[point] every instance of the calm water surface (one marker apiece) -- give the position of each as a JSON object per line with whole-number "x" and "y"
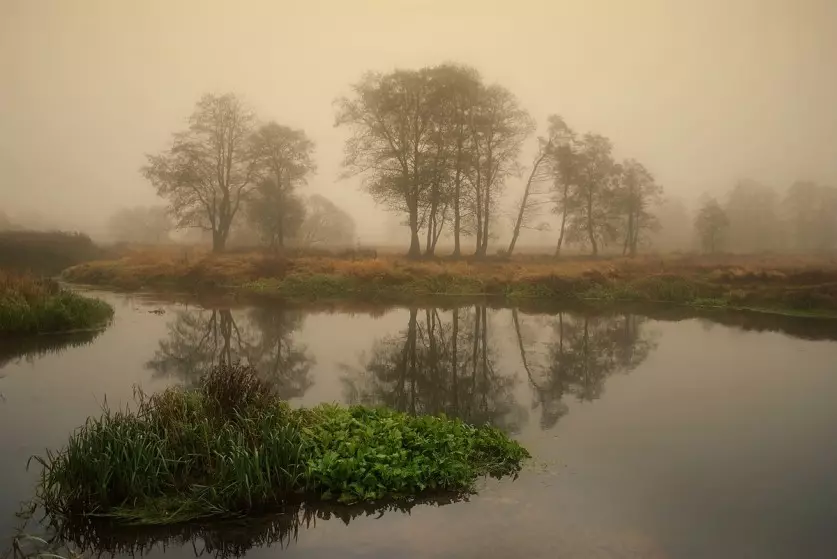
{"x": 655, "y": 435}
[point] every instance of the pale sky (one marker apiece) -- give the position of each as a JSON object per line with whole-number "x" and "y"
{"x": 702, "y": 91}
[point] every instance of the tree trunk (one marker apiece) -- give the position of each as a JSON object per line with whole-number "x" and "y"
{"x": 563, "y": 220}
{"x": 590, "y": 229}
{"x": 522, "y": 211}
{"x": 485, "y": 216}
{"x": 415, "y": 244}
{"x": 457, "y": 186}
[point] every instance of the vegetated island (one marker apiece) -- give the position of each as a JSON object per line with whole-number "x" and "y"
{"x": 232, "y": 447}
{"x": 30, "y": 305}
{"x": 779, "y": 284}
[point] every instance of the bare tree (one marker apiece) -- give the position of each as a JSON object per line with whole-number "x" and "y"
{"x": 210, "y": 168}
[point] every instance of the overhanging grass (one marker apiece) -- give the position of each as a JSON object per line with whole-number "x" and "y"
{"x": 31, "y": 305}
{"x": 231, "y": 447}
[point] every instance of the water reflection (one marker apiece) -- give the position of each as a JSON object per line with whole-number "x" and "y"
{"x": 448, "y": 362}
{"x": 581, "y": 353}
{"x": 442, "y": 362}
{"x": 221, "y": 539}
{"x": 199, "y": 339}
{"x": 30, "y": 348}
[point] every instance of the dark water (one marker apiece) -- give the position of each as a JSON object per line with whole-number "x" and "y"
{"x": 655, "y": 435}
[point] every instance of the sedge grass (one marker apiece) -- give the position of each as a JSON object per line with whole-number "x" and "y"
{"x": 231, "y": 447}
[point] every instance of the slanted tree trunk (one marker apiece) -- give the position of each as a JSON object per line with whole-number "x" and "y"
{"x": 563, "y": 220}
{"x": 521, "y": 212}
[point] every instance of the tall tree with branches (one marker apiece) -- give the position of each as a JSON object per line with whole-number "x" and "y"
{"x": 499, "y": 126}
{"x": 636, "y": 192}
{"x": 210, "y": 167}
{"x": 391, "y": 118}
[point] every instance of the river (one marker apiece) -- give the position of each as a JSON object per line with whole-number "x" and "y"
{"x": 655, "y": 433}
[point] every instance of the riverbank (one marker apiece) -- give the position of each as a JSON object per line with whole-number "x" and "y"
{"x": 790, "y": 285}
{"x": 30, "y": 305}
{"x": 232, "y": 446}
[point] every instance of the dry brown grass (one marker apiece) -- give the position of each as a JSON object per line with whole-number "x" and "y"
{"x": 198, "y": 267}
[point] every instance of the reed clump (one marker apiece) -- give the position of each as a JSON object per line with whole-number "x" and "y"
{"x": 32, "y": 305}
{"x": 233, "y": 447}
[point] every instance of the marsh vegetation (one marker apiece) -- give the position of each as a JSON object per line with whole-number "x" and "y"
{"x": 232, "y": 446}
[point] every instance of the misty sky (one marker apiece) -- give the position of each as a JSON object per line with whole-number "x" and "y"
{"x": 701, "y": 91}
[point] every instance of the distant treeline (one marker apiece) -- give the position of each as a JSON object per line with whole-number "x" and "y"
{"x": 45, "y": 252}
{"x": 755, "y": 218}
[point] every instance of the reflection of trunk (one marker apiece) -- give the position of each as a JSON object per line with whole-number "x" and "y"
{"x": 586, "y": 352}
{"x": 474, "y": 354}
{"x": 455, "y": 360}
{"x": 486, "y": 381}
{"x": 412, "y": 342}
{"x": 522, "y": 351}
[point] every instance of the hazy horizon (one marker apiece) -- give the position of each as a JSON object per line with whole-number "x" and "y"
{"x": 703, "y": 93}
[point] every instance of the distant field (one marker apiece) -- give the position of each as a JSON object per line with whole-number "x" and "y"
{"x": 804, "y": 284}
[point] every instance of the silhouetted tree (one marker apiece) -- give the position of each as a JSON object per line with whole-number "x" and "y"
{"x": 711, "y": 224}
{"x": 325, "y": 223}
{"x": 141, "y": 225}
{"x": 591, "y": 215}
{"x": 286, "y": 155}
{"x": 754, "y": 225}
{"x": 391, "y": 119}
{"x": 636, "y": 192}
{"x": 810, "y": 211}
{"x": 498, "y": 126}
{"x": 211, "y": 166}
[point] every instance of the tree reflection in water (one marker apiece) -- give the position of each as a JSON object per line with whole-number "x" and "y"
{"x": 581, "y": 353}
{"x": 447, "y": 361}
{"x": 263, "y": 337}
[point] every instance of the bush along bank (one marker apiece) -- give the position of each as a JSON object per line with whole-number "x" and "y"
{"x": 231, "y": 447}
{"x": 30, "y": 305}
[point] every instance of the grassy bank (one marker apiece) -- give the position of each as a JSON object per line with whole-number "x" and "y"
{"x": 30, "y": 305}
{"x": 778, "y": 284}
{"x": 232, "y": 447}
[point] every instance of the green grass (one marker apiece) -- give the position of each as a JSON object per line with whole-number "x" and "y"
{"x": 30, "y": 305}
{"x": 231, "y": 447}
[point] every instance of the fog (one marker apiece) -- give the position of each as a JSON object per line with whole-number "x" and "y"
{"x": 703, "y": 93}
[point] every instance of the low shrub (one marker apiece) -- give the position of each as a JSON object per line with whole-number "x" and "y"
{"x": 231, "y": 446}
